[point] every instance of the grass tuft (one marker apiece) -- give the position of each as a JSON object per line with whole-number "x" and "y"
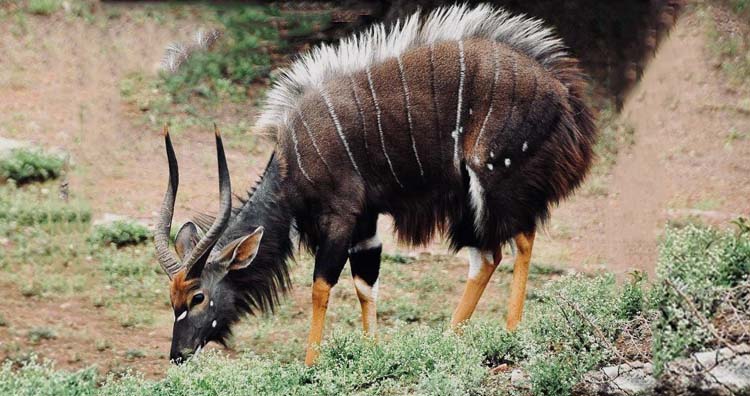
{"x": 25, "y": 166}
{"x": 43, "y": 7}
{"x": 119, "y": 233}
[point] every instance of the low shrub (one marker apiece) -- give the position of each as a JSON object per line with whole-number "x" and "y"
{"x": 120, "y": 233}
{"x": 43, "y": 7}
{"x": 36, "y": 207}
{"x": 30, "y": 165}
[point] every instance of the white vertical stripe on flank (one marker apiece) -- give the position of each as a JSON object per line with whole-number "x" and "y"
{"x": 359, "y": 109}
{"x": 337, "y": 124}
{"x": 492, "y": 101}
{"x": 299, "y": 157}
{"x": 312, "y": 139}
{"x": 476, "y": 200}
{"x": 408, "y": 113}
{"x": 380, "y": 125}
{"x": 462, "y": 75}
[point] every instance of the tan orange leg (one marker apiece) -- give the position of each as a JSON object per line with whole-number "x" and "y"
{"x": 481, "y": 268}
{"x": 367, "y": 300}
{"x": 321, "y": 290}
{"x": 524, "y": 244}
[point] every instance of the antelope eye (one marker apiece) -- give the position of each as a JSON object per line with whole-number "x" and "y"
{"x": 197, "y": 299}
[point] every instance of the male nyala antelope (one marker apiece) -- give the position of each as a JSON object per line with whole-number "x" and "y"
{"x": 469, "y": 122}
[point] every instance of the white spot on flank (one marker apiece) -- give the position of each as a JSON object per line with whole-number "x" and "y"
{"x": 477, "y": 260}
{"x": 507, "y": 162}
{"x": 213, "y": 324}
{"x": 476, "y": 200}
{"x": 525, "y": 146}
{"x": 182, "y": 316}
{"x": 367, "y": 244}
{"x": 490, "y": 166}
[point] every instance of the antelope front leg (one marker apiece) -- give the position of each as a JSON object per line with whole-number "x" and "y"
{"x": 321, "y": 290}
{"x": 329, "y": 261}
{"x": 481, "y": 267}
{"x": 524, "y": 244}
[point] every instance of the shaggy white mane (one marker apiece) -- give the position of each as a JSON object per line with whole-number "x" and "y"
{"x": 377, "y": 44}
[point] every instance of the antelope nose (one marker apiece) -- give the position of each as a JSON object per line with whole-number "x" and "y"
{"x": 176, "y": 357}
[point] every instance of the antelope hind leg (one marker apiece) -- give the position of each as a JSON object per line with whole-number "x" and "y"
{"x": 524, "y": 244}
{"x": 481, "y": 267}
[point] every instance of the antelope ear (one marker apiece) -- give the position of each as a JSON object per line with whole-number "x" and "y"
{"x": 187, "y": 238}
{"x": 242, "y": 251}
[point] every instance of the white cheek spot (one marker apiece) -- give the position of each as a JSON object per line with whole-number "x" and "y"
{"x": 492, "y": 154}
{"x": 182, "y": 316}
{"x": 507, "y": 162}
{"x": 525, "y": 146}
{"x": 490, "y": 166}
{"x": 211, "y": 303}
{"x": 213, "y": 324}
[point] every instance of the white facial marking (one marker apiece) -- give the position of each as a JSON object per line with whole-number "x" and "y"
{"x": 213, "y": 324}
{"x": 525, "y": 146}
{"x": 211, "y": 303}
{"x": 369, "y": 243}
{"x": 182, "y": 316}
{"x": 492, "y": 154}
{"x": 490, "y": 166}
{"x": 507, "y": 162}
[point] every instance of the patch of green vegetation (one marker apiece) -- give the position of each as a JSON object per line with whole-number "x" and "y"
{"x": 26, "y": 165}
{"x": 43, "y": 7}
{"x": 37, "y": 334}
{"x": 40, "y": 379}
{"x": 133, "y": 354}
{"x": 120, "y": 233}
{"x": 30, "y": 207}
{"x": 701, "y": 263}
{"x": 740, "y": 6}
{"x": 397, "y": 258}
{"x": 234, "y": 71}
{"x": 732, "y": 47}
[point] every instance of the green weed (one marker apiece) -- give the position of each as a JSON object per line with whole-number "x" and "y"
{"x": 43, "y": 7}
{"x": 27, "y": 165}
{"x": 119, "y": 233}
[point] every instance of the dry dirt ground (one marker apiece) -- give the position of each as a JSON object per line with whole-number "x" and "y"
{"x": 59, "y": 88}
